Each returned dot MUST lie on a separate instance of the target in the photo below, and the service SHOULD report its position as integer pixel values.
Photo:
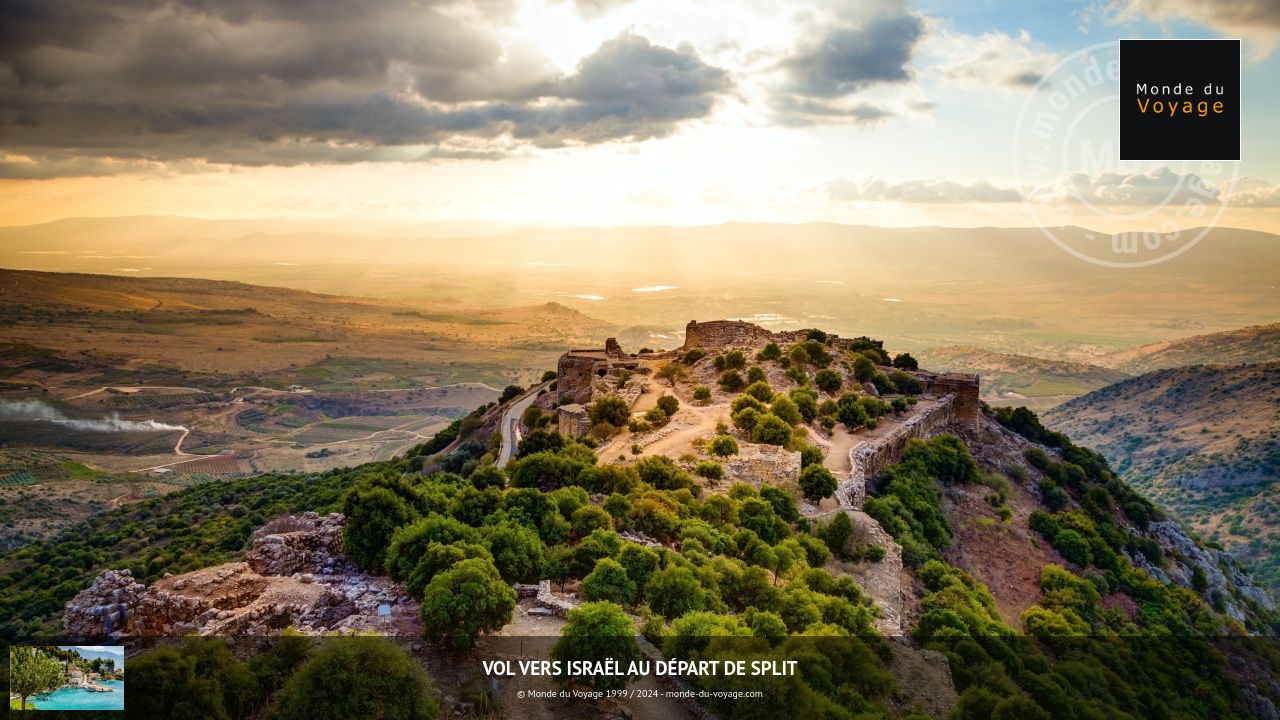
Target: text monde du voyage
(1180, 99)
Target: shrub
(510, 392)
(905, 362)
(770, 351)
(710, 470)
(828, 381)
(518, 553)
(656, 416)
(597, 631)
(771, 430)
(836, 534)
(760, 391)
(332, 684)
(609, 581)
(461, 603)
(611, 410)
(755, 374)
(669, 404)
(731, 381)
(373, 515)
(724, 446)
(662, 473)
(437, 558)
(785, 408)
(1074, 547)
(702, 393)
(817, 482)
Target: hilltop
(1201, 440)
(1035, 382)
(1254, 344)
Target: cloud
(1254, 20)
(89, 87)
(992, 59)
(1160, 186)
(934, 190)
(821, 76)
(1252, 193)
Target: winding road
(511, 421)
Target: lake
(74, 699)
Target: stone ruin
(294, 575)
(573, 421)
(578, 371)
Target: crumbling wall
(869, 458)
(760, 465)
(716, 334)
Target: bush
(710, 470)
(1074, 547)
(817, 482)
(461, 603)
(771, 430)
(655, 416)
(731, 381)
(836, 534)
(702, 393)
(669, 404)
(373, 515)
(609, 581)
(611, 410)
(597, 631)
(785, 408)
(339, 682)
(518, 553)
(724, 446)
(828, 381)
(905, 362)
(755, 374)
(662, 473)
(760, 391)
(487, 476)
(770, 351)
(510, 392)
(437, 558)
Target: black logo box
(1184, 64)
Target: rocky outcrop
(105, 608)
(1186, 555)
(760, 465)
(294, 576)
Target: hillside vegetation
(1202, 441)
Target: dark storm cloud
(85, 84)
(844, 61)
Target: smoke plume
(36, 410)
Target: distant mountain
(1019, 379)
(1255, 344)
(1204, 441)
(104, 652)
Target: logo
(1179, 99)
(1095, 196)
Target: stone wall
(760, 465)
(869, 458)
(963, 386)
(717, 334)
(572, 421)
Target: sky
(603, 112)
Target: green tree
(437, 558)
(828, 381)
(597, 631)
(487, 476)
(510, 392)
(785, 408)
(724, 446)
(817, 482)
(373, 515)
(702, 393)
(358, 677)
(760, 390)
(771, 430)
(589, 518)
(709, 470)
(675, 591)
(669, 404)
(518, 553)
(837, 532)
(756, 374)
(609, 581)
(1073, 547)
(661, 472)
(771, 351)
(461, 603)
(863, 368)
(610, 409)
(731, 381)
(408, 543)
(197, 680)
(31, 672)
(904, 361)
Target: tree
(850, 412)
(597, 631)
(756, 374)
(459, 604)
(669, 404)
(662, 473)
(836, 534)
(540, 440)
(771, 430)
(373, 515)
(905, 362)
(863, 368)
(609, 581)
(31, 672)
(709, 470)
(785, 408)
(817, 482)
(198, 680)
(510, 392)
(548, 375)
(339, 681)
(672, 373)
(771, 351)
(487, 476)
(610, 409)
(731, 381)
(518, 553)
(439, 557)
(828, 381)
(675, 591)
(589, 518)
(760, 390)
(1073, 547)
(410, 542)
(724, 446)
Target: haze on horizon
(574, 113)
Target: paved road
(510, 419)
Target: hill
(1201, 440)
(1020, 379)
(1254, 344)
